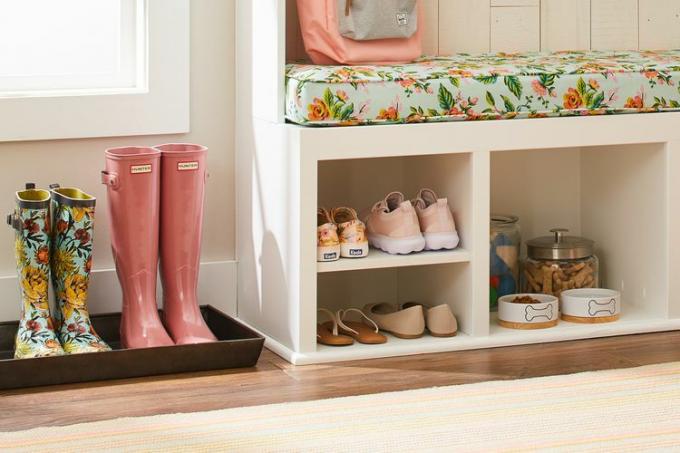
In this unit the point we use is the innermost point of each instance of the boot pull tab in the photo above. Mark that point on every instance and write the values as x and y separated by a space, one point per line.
54 186
30 185
110 179
13 221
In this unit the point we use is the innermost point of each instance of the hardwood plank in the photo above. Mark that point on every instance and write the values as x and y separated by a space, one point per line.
659 24
614 24
565 25
276 381
463 26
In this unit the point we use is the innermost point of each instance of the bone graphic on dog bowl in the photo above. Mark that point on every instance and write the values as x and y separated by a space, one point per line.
597 308
591 303
544 311
532 313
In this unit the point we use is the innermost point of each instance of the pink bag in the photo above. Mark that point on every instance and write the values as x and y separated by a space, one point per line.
325 45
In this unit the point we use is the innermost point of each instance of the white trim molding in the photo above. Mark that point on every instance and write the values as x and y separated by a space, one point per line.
160 108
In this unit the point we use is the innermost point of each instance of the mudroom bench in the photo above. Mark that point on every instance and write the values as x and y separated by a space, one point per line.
566 159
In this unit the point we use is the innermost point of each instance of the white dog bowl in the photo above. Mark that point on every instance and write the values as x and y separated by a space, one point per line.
539 315
591 306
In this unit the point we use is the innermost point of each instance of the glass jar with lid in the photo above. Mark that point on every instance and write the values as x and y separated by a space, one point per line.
559 262
505 247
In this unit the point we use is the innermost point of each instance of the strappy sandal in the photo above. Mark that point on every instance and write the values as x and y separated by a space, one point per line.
327 333
361 332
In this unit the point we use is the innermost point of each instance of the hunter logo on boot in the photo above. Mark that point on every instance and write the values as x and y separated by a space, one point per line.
136 169
186 166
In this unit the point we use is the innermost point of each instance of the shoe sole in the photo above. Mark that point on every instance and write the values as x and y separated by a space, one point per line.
326 254
444 335
403 336
354 250
397 246
441 241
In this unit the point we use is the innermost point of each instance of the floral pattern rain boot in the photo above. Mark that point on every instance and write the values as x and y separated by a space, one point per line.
30 220
72 228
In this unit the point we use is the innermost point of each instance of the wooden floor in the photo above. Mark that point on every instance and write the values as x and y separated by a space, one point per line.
275 381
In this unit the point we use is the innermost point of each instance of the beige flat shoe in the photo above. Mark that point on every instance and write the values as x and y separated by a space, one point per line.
407 323
366 334
327 333
440 320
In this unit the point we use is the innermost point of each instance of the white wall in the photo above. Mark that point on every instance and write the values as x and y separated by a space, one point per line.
78 162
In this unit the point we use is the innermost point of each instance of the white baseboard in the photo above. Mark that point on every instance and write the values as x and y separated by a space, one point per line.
217 287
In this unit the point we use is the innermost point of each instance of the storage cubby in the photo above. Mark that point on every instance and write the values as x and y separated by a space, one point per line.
359 183
433 285
614 195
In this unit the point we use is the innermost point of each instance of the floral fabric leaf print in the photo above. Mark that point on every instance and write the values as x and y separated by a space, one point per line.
73 226
35 336
485 87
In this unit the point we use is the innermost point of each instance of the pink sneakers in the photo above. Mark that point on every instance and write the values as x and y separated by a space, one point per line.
436 221
393 226
399 226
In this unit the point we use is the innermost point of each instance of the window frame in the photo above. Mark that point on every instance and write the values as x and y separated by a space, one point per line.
161 108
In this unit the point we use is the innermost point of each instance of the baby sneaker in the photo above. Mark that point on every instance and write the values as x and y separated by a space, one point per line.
393 226
436 221
327 242
352 232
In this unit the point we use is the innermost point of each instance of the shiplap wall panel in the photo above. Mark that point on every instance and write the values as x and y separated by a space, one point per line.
514 3
614 24
659 24
475 26
565 25
464 26
515 29
431 32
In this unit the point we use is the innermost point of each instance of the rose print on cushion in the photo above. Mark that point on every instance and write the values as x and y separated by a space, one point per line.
485 86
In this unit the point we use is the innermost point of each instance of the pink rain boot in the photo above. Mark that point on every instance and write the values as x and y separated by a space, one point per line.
132 177
182 190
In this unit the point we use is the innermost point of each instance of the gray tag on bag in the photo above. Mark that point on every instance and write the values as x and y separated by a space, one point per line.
364 20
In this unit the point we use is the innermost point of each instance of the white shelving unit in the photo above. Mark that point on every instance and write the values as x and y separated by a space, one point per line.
610 178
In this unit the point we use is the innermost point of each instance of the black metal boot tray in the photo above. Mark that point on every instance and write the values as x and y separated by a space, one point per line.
238 347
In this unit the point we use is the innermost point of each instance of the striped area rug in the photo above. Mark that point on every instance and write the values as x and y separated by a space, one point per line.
619 410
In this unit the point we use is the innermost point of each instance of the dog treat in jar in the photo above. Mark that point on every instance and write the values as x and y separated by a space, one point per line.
559 262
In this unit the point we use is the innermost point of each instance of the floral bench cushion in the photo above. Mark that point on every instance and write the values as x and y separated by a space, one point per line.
486 86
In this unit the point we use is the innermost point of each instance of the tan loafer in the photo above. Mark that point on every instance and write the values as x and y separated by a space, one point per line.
440 320
405 323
